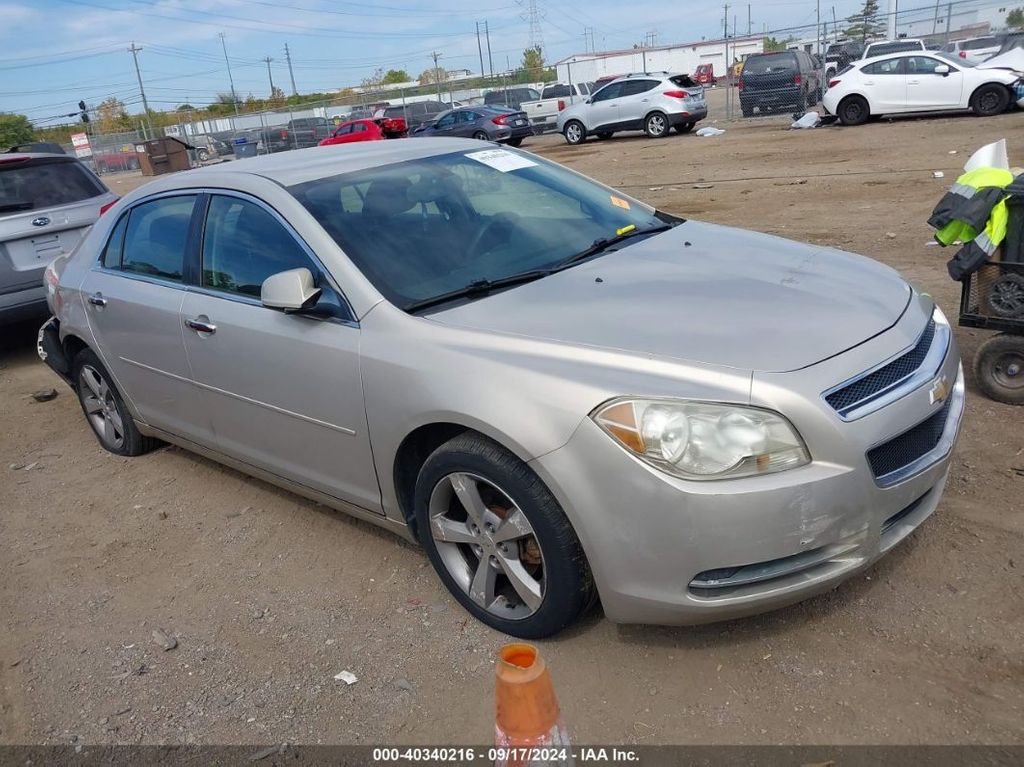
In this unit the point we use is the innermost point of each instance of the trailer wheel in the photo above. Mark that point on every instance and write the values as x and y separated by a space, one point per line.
999 368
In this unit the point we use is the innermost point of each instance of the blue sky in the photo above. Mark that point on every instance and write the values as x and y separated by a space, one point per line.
55 52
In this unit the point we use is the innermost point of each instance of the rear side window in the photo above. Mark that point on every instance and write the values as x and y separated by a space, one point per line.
885 67
556 92
112 253
155 240
45 183
243 245
634 87
981 42
770 63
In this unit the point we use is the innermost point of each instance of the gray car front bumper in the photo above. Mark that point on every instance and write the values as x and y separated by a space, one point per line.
669 551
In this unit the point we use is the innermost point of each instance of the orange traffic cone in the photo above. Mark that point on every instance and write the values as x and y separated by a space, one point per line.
527 716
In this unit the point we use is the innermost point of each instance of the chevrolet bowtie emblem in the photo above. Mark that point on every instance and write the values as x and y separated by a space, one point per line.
939 390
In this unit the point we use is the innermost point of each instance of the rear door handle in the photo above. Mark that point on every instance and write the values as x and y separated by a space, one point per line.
200 326
913 82
97 299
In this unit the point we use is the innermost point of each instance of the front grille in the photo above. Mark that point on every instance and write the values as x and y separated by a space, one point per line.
906 448
843 400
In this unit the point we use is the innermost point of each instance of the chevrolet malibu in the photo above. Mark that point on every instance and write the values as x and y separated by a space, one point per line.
562 393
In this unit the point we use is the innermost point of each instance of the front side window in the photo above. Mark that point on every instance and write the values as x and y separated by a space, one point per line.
610 91
156 237
447 121
420 229
886 67
243 244
922 65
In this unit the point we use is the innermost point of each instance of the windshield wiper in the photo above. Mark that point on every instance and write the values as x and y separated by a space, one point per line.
15 205
605 243
479 288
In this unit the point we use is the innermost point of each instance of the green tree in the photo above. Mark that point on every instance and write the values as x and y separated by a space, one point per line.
393 76
112 117
533 62
186 107
1015 18
866 24
14 129
771 44
433 76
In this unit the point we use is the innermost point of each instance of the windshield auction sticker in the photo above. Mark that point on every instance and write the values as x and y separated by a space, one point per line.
502 160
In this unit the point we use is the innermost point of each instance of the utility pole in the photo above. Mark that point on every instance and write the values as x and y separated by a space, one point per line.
750 26
835 24
728 68
817 29
234 96
490 61
270 75
479 49
896 20
949 16
134 50
437 74
935 21
291 74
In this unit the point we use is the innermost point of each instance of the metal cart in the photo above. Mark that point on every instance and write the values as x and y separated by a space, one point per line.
993 299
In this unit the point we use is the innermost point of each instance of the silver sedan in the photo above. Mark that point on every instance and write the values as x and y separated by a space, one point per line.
564 394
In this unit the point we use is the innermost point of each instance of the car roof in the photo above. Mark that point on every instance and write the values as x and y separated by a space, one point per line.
302 165
898 55
10 156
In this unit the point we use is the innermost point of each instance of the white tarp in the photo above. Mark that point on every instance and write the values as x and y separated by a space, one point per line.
809 120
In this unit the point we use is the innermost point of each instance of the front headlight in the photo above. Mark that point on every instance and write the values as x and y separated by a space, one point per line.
699 440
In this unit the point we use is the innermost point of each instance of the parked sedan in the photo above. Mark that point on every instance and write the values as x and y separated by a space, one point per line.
917 82
354 130
561 392
482 123
47 202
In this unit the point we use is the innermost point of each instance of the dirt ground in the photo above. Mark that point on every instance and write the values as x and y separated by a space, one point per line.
269 595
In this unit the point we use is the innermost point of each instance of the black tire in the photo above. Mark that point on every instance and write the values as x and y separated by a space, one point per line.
575 132
747 111
128 440
515 142
656 125
853 110
999 369
990 99
481 136
605 135
684 127
203 155
568 584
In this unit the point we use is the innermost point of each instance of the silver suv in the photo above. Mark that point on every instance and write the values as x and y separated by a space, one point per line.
651 102
47 201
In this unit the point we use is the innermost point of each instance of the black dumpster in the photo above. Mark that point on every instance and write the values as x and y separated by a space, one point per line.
244 147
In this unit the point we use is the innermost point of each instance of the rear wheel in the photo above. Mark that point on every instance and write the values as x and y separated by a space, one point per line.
499 540
105 409
656 125
204 155
989 100
684 127
999 368
853 110
748 111
481 136
574 132
515 141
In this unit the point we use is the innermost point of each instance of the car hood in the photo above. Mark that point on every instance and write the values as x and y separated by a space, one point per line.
704 293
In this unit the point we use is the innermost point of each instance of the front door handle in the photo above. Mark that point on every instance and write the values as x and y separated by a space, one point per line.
200 326
97 299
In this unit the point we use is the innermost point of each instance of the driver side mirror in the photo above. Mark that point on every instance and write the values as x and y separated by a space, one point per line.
942 69
590 101
291 290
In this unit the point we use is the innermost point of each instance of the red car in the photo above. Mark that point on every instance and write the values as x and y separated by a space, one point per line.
354 130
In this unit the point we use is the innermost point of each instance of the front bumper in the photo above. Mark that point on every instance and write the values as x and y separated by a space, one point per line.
670 551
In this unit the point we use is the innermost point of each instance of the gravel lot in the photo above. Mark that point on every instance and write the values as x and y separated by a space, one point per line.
269 596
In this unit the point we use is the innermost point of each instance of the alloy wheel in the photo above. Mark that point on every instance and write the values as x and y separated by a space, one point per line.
487 545
100 407
573 133
656 125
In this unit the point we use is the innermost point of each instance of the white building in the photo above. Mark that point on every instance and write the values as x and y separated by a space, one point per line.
682 57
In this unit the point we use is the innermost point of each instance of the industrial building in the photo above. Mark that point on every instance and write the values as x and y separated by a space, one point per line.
679 57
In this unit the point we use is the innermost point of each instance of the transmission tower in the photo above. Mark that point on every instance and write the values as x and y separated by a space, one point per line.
533 17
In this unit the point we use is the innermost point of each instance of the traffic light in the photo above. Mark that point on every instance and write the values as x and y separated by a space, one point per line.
84 113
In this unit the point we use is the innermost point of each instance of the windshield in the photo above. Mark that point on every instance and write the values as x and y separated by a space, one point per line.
773 62
44 183
427 227
960 61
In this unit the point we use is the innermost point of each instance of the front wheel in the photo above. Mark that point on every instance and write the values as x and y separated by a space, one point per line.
656 125
498 539
853 110
574 132
989 100
515 142
203 155
999 368
104 408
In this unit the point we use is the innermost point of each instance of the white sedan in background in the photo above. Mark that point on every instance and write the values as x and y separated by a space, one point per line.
918 81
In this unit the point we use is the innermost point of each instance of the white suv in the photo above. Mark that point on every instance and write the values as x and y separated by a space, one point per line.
651 102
